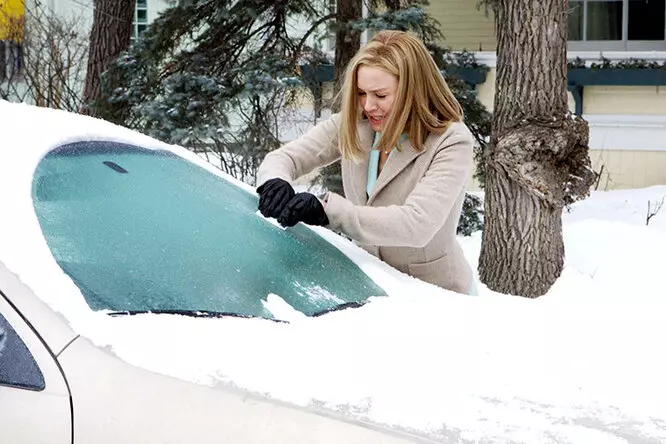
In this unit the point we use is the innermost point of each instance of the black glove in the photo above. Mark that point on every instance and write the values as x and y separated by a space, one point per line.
303 207
273 196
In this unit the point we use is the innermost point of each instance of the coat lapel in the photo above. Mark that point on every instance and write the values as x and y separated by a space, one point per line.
394 165
359 168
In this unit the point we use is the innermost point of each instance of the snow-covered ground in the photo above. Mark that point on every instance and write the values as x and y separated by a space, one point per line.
583 364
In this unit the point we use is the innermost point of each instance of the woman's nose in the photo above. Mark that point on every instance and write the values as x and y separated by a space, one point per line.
370 104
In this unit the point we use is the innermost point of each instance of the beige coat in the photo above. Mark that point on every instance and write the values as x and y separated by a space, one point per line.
410 218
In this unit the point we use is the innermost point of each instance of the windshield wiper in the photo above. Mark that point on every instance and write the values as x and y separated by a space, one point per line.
224 314
343 306
191 313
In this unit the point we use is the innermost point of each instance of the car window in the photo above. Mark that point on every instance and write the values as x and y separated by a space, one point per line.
140 229
17 366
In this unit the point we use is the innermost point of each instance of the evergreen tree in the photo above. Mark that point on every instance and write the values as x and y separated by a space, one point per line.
213 76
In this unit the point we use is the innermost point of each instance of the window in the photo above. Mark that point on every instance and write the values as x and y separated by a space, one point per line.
17 366
647 20
140 18
617 24
11 60
145 230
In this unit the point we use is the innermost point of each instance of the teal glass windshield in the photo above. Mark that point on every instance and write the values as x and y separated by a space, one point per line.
146 230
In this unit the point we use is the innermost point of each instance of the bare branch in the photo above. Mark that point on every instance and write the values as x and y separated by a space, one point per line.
51 55
312 29
653 212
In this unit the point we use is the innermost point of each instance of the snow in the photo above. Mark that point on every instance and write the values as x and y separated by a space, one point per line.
582 364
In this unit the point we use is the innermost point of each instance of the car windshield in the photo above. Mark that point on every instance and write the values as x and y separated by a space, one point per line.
146 230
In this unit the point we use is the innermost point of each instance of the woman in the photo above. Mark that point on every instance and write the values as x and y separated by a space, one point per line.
406 156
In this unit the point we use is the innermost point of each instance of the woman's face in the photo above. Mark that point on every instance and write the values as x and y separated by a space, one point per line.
377 90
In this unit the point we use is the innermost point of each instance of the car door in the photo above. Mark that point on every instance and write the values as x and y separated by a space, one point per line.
34 398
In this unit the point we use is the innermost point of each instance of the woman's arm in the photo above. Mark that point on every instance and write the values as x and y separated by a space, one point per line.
316 148
425 210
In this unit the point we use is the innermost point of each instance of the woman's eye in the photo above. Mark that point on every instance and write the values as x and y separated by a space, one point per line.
361 93
380 97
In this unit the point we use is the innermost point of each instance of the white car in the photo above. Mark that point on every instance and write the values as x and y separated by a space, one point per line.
118 225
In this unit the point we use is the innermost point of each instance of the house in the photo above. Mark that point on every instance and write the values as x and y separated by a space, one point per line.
145 11
59 54
626 108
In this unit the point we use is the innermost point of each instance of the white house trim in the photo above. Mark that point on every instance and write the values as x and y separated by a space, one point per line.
627 132
489 58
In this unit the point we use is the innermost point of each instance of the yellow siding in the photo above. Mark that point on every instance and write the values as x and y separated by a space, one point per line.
464 25
629 169
305 99
643 100
617 168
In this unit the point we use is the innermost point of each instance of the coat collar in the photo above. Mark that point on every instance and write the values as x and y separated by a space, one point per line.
394 165
398 161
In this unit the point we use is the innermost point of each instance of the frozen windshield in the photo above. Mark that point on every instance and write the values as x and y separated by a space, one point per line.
145 230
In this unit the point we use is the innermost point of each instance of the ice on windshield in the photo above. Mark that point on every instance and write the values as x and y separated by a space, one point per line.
140 229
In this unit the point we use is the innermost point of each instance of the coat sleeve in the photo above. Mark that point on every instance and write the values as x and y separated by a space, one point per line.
426 208
316 148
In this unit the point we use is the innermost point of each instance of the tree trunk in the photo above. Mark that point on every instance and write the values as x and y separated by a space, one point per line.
110 35
347 43
538 158
347 40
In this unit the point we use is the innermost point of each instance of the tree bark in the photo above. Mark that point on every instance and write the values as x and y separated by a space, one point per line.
538 158
347 40
110 35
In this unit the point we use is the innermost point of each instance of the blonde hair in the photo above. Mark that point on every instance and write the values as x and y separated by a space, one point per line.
424 102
